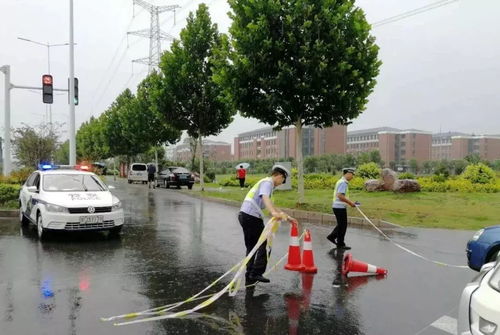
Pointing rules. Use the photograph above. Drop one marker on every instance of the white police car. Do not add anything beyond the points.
(71, 199)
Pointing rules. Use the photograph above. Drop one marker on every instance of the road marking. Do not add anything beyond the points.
(447, 324)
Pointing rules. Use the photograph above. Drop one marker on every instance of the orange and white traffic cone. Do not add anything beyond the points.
(352, 265)
(307, 254)
(294, 263)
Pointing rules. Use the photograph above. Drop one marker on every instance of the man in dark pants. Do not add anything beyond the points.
(251, 220)
(151, 175)
(339, 205)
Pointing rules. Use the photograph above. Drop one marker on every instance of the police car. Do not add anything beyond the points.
(70, 199)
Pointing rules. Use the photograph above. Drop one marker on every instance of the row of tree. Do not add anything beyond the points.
(286, 63)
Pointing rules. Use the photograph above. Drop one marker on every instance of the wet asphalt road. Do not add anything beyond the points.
(174, 245)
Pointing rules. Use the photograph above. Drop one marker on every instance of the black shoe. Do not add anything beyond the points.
(344, 247)
(331, 239)
(259, 278)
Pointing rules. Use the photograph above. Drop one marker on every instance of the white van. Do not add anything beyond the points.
(138, 172)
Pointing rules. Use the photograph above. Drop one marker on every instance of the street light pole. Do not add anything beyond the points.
(72, 139)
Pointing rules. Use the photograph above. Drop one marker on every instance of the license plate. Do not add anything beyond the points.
(91, 219)
(183, 177)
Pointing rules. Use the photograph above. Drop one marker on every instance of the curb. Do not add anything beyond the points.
(310, 217)
(9, 213)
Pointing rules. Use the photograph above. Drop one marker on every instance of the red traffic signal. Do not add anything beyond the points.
(47, 79)
(47, 89)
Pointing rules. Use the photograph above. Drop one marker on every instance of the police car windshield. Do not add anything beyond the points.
(72, 183)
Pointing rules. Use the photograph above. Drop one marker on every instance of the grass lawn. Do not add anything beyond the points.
(423, 209)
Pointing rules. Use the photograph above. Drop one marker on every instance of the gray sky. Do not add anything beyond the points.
(440, 68)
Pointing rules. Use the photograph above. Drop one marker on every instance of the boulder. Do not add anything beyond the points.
(373, 185)
(406, 186)
(390, 182)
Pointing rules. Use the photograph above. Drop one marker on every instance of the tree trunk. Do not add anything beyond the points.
(193, 143)
(200, 144)
(300, 161)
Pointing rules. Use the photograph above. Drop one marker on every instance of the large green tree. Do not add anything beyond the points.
(188, 95)
(300, 62)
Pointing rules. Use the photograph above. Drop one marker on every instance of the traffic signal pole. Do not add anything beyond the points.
(7, 168)
(72, 137)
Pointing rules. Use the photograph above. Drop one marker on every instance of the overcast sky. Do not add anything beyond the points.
(440, 69)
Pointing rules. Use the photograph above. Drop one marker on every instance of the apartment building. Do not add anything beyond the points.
(268, 143)
(213, 150)
(394, 145)
(454, 145)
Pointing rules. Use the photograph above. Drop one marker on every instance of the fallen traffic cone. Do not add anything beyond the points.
(352, 265)
(294, 263)
(307, 254)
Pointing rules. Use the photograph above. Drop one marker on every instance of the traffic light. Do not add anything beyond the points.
(75, 91)
(47, 89)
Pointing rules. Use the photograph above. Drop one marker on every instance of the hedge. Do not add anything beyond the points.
(9, 193)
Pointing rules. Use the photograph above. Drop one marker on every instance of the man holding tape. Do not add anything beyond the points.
(340, 202)
(251, 220)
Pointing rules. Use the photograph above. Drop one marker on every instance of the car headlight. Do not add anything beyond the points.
(477, 235)
(56, 208)
(116, 206)
(495, 279)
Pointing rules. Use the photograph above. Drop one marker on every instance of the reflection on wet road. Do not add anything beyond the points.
(172, 246)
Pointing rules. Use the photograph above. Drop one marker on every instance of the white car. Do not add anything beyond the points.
(69, 199)
(138, 172)
(479, 309)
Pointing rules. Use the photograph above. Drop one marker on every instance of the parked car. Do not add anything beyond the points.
(483, 247)
(68, 199)
(175, 176)
(479, 308)
(138, 172)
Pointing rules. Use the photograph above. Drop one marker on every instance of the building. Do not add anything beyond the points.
(453, 146)
(212, 150)
(441, 145)
(394, 145)
(268, 143)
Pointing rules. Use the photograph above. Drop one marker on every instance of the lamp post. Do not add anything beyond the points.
(48, 46)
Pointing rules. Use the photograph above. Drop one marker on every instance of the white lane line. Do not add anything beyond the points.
(447, 324)
(444, 323)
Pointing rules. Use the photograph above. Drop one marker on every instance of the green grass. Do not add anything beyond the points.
(468, 211)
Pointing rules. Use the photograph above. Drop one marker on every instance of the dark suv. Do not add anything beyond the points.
(175, 176)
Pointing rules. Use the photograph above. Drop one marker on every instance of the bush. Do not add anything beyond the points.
(232, 181)
(479, 174)
(8, 194)
(406, 175)
(210, 175)
(368, 170)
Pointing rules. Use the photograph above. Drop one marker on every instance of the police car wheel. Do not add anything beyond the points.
(39, 226)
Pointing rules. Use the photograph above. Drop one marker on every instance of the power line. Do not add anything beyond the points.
(413, 12)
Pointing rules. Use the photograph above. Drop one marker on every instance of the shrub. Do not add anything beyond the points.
(210, 175)
(368, 170)
(232, 181)
(8, 193)
(406, 175)
(479, 174)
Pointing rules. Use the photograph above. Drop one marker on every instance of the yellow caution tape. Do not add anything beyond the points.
(232, 288)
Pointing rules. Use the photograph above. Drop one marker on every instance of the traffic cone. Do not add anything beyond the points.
(307, 254)
(294, 263)
(307, 283)
(293, 308)
(352, 265)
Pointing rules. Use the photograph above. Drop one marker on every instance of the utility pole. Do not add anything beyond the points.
(154, 33)
(7, 168)
(72, 136)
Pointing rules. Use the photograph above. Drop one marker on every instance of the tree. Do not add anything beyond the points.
(188, 94)
(413, 164)
(300, 63)
(61, 156)
(34, 145)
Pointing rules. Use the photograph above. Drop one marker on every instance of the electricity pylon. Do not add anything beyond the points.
(154, 33)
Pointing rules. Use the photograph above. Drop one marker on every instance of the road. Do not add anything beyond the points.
(173, 245)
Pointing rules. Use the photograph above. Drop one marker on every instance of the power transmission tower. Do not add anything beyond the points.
(154, 33)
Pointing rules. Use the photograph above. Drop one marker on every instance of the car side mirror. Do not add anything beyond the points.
(32, 189)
